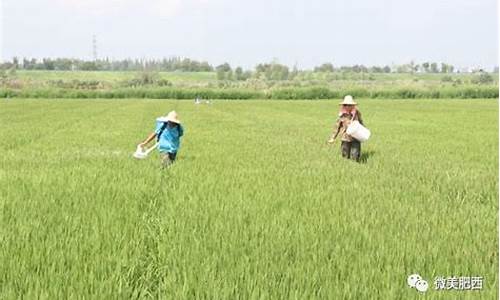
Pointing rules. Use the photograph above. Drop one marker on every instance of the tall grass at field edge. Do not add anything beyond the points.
(295, 93)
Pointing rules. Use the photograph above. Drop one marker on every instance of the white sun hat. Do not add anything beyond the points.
(170, 117)
(348, 100)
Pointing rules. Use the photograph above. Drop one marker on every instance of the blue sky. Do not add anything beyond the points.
(302, 32)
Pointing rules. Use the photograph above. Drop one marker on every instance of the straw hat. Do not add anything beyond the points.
(170, 117)
(348, 100)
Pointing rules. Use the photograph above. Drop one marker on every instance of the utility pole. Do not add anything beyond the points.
(2, 18)
(94, 47)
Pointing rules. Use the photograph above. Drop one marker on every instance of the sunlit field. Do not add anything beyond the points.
(257, 206)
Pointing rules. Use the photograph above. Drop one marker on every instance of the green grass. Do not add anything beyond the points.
(113, 76)
(189, 85)
(236, 93)
(109, 76)
(256, 207)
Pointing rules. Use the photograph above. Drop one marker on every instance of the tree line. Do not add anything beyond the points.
(269, 71)
(71, 64)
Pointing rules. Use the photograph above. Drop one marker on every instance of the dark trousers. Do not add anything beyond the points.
(167, 158)
(351, 150)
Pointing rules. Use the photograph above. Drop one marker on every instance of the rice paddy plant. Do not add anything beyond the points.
(257, 205)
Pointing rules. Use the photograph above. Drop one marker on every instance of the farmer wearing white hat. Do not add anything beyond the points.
(350, 147)
(168, 133)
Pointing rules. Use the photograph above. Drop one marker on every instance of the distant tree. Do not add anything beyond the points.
(416, 68)
(387, 69)
(359, 69)
(241, 75)
(434, 68)
(88, 66)
(426, 66)
(238, 73)
(48, 64)
(444, 68)
(26, 63)
(412, 67)
(229, 75)
(224, 67)
(280, 72)
(326, 67)
(205, 67)
(170, 64)
(64, 64)
(34, 63)
(405, 68)
(221, 75)
(273, 71)
(224, 71)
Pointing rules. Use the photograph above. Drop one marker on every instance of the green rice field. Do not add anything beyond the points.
(257, 206)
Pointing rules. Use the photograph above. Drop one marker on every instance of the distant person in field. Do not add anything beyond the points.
(350, 147)
(168, 133)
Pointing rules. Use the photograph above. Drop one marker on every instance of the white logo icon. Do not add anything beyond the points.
(416, 281)
(412, 280)
(422, 286)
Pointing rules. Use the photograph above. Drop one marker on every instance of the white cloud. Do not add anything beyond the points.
(166, 8)
(94, 6)
(161, 8)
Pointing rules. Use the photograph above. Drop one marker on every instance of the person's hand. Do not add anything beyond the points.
(331, 141)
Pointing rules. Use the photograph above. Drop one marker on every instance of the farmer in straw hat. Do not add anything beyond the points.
(168, 133)
(350, 147)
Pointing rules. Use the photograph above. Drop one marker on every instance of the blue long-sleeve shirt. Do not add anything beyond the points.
(169, 141)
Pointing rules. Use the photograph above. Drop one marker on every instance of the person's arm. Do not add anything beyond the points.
(181, 130)
(360, 120)
(151, 137)
(336, 132)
